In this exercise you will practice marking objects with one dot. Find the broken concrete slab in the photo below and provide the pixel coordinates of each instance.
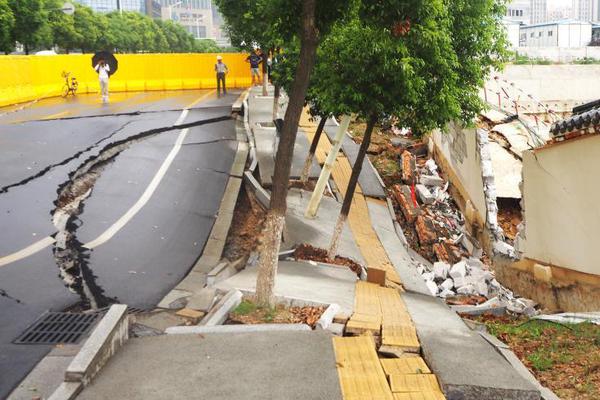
(221, 271)
(203, 300)
(159, 320)
(296, 280)
(458, 270)
(220, 311)
(467, 366)
(193, 282)
(336, 329)
(175, 299)
(326, 318)
(441, 270)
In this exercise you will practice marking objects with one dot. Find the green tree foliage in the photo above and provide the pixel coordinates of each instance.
(42, 24)
(7, 23)
(29, 19)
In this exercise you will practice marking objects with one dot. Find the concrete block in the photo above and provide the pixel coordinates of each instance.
(200, 329)
(460, 282)
(262, 195)
(327, 317)
(67, 391)
(431, 180)
(341, 318)
(542, 273)
(109, 335)
(337, 329)
(458, 270)
(424, 194)
(203, 300)
(221, 310)
(428, 276)
(466, 290)
(440, 270)
(447, 284)
(193, 316)
(446, 293)
(175, 299)
(482, 288)
(433, 288)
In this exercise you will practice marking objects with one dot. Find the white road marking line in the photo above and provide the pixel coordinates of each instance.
(27, 251)
(121, 222)
(110, 232)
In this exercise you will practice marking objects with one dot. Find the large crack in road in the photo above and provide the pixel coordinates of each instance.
(70, 255)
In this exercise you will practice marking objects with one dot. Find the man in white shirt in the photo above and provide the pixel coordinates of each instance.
(221, 70)
(103, 69)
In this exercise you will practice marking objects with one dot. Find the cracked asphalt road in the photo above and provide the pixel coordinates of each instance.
(171, 179)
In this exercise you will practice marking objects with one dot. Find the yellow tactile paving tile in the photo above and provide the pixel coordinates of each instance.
(414, 383)
(360, 372)
(419, 396)
(404, 366)
(403, 337)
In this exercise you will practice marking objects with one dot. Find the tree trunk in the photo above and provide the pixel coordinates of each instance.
(317, 195)
(276, 102)
(337, 233)
(312, 150)
(267, 267)
(26, 48)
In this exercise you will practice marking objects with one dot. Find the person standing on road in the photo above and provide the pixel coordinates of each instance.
(221, 70)
(102, 68)
(255, 59)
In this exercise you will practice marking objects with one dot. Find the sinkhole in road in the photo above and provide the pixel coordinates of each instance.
(70, 255)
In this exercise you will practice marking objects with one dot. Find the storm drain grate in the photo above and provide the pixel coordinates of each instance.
(58, 327)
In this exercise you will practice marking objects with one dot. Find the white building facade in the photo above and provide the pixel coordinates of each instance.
(567, 33)
(539, 11)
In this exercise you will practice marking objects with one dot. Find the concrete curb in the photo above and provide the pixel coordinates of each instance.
(221, 310)
(327, 317)
(108, 336)
(213, 250)
(191, 330)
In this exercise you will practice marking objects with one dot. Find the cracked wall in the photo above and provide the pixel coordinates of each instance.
(561, 192)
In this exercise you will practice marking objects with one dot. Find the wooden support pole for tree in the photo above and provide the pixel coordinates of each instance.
(356, 168)
(311, 152)
(275, 219)
(317, 195)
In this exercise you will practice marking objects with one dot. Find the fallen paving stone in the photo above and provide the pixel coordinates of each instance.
(203, 300)
(409, 209)
(341, 318)
(193, 316)
(431, 180)
(395, 352)
(159, 320)
(326, 318)
(424, 194)
(425, 230)
(447, 293)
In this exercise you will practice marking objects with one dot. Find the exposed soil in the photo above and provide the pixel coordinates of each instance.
(509, 216)
(310, 253)
(249, 313)
(246, 227)
(563, 357)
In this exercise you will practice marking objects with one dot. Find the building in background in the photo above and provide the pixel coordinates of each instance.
(519, 11)
(114, 5)
(586, 10)
(199, 17)
(539, 11)
(566, 33)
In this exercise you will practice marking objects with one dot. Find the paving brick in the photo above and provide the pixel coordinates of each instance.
(409, 209)
(425, 230)
(193, 316)
(409, 168)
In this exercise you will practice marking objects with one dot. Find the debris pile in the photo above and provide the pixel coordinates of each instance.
(435, 227)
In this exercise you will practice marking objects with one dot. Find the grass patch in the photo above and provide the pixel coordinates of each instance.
(246, 307)
(563, 357)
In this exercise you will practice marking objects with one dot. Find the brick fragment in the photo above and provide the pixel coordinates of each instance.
(447, 252)
(409, 168)
(425, 230)
(407, 205)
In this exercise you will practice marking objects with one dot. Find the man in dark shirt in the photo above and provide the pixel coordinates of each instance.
(255, 59)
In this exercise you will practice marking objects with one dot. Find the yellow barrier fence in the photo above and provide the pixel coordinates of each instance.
(26, 78)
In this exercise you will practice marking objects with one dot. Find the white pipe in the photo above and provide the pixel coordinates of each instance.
(315, 200)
